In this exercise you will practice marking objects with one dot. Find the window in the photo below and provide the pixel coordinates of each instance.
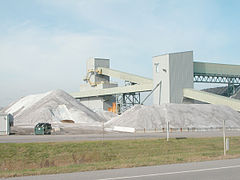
(157, 67)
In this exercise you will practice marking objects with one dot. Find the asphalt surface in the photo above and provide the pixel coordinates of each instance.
(115, 136)
(210, 170)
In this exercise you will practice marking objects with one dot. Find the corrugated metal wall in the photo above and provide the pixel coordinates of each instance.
(175, 70)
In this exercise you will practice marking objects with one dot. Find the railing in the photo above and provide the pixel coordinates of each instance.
(215, 78)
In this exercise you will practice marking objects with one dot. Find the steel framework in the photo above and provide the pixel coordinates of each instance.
(233, 82)
(216, 78)
(127, 100)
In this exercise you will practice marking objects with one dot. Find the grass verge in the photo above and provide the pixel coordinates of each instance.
(20, 159)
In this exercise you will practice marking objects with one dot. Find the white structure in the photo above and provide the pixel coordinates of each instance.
(96, 81)
(175, 71)
(92, 65)
(6, 120)
(174, 75)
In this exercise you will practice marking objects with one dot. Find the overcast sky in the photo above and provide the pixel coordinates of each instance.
(44, 44)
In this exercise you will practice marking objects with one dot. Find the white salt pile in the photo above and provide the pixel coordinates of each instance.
(52, 107)
(179, 116)
(237, 95)
(223, 91)
(107, 115)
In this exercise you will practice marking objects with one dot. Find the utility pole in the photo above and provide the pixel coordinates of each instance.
(102, 131)
(224, 138)
(166, 120)
(167, 130)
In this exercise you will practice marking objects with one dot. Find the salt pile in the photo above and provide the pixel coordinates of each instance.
(179, 116)
(237, 95)
(107, 115)
(51, 107)
(223, 91)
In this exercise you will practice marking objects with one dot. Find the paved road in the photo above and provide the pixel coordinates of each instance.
(116, 136)
(210, 170)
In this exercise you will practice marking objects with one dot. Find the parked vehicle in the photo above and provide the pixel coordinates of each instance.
(42, 129)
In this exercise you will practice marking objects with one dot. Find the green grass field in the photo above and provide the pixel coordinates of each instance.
(62, 157)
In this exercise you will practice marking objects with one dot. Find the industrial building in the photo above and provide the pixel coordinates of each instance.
(174, 75)
(100, 94)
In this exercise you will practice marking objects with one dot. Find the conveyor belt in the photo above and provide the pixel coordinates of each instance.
(125, 76)
(113, 91)
(211, 98)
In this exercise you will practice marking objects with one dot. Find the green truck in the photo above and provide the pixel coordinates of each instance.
(42, 129)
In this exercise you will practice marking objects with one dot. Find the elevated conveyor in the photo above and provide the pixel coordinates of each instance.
(113, 91)
(100, 93)
(141, 84)
(211, 98)
(216, 69)
(124, 76)
(216, 73)
(146, 84)
(176, 71)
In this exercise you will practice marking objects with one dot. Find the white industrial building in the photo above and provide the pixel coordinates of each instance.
(174, 75)
(175, 72)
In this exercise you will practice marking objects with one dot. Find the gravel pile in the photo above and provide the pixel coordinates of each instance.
(107, 115)
(51, 107)
(237, 95)
(55, 106)
(179, 116)
(223, 91)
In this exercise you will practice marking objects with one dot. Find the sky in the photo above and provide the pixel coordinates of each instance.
(44, 44)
